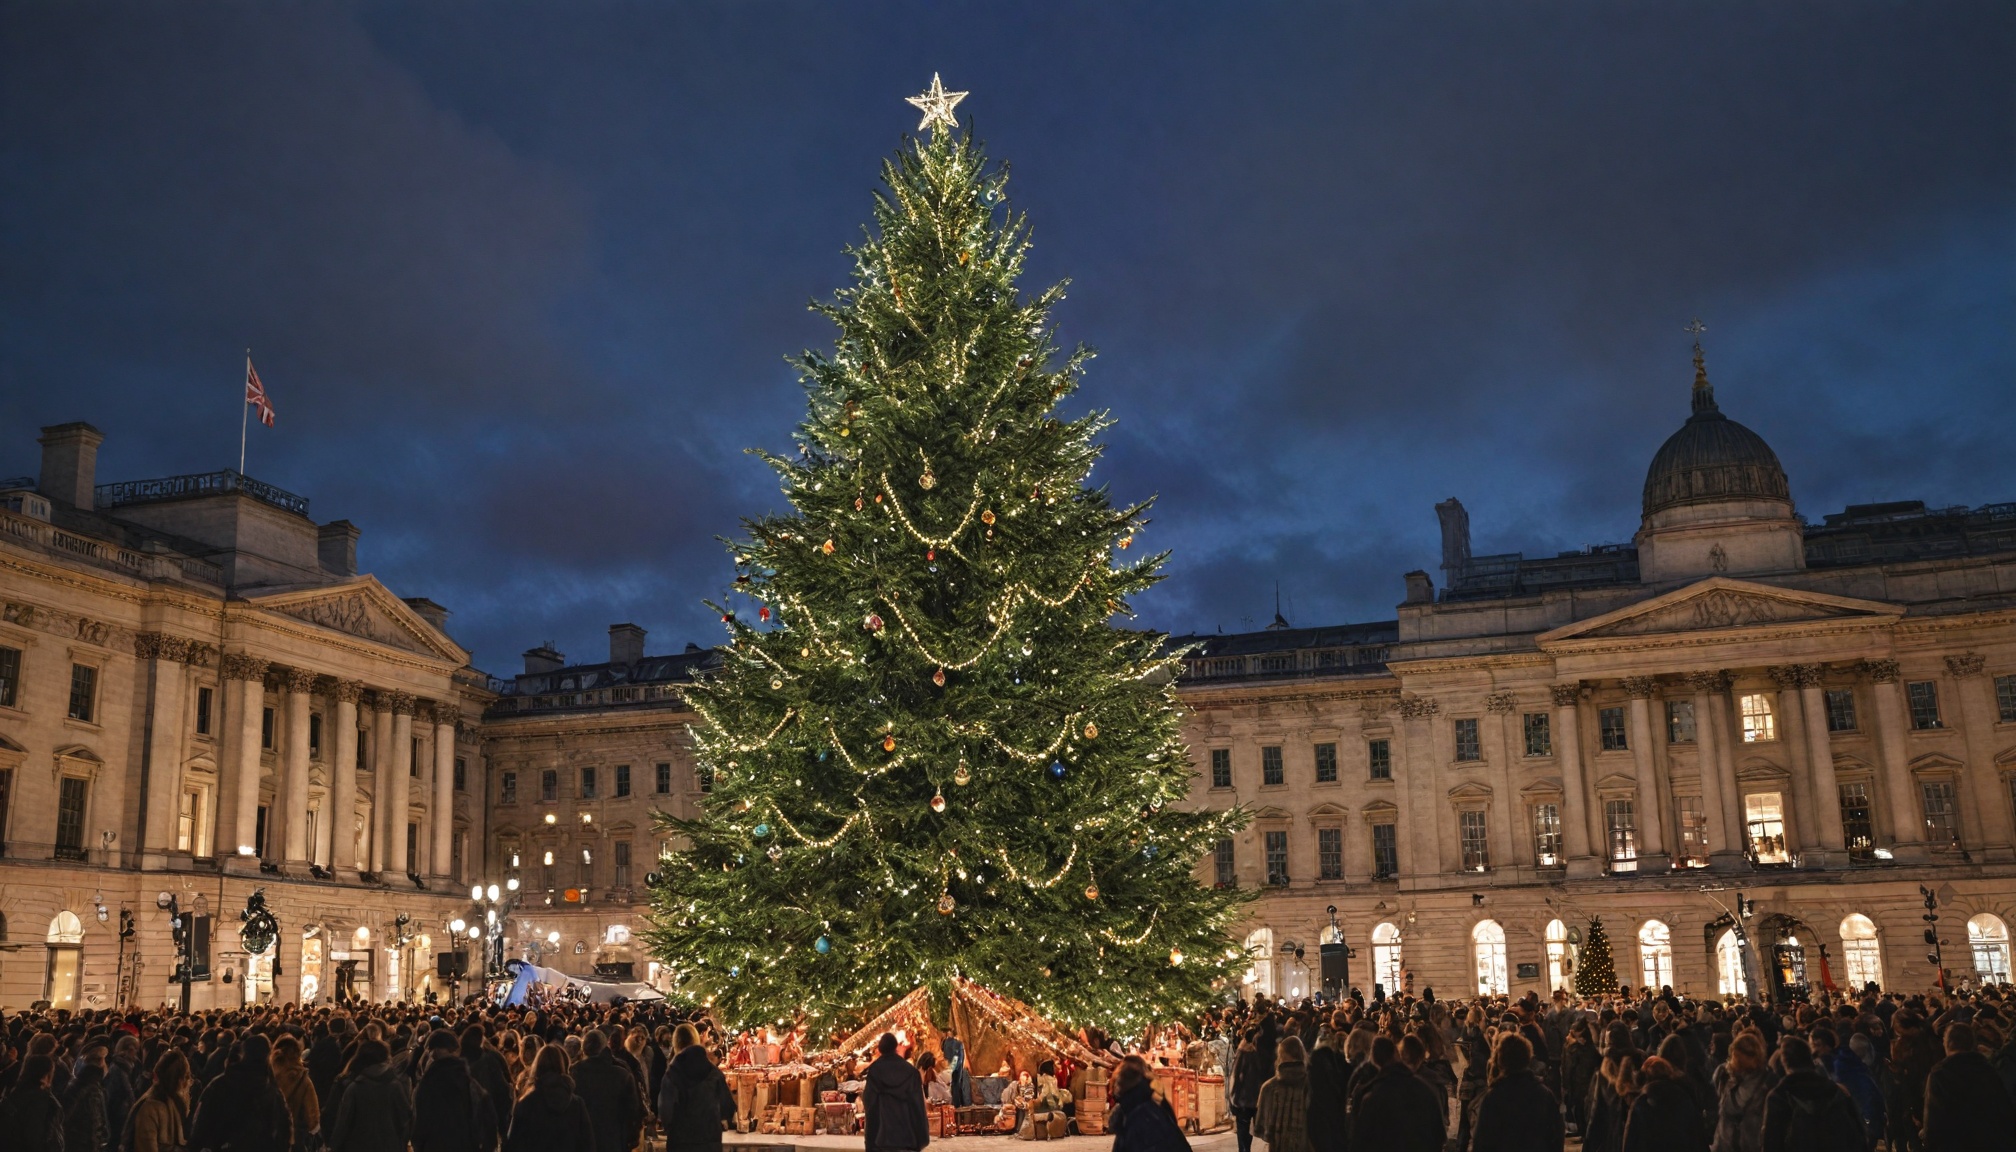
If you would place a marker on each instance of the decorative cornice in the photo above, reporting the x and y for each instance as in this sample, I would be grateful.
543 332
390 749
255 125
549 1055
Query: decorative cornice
68 625
1503 703
348 691
298 679
1881 671
239 666
1640 687
1966 664
1566 695
1419 707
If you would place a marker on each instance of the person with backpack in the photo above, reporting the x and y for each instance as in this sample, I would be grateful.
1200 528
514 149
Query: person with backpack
242 1110
375 1109
1807 1112
694 1100
451 1112
615 1103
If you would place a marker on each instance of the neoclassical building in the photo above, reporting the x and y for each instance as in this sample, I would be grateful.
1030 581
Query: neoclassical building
1818 717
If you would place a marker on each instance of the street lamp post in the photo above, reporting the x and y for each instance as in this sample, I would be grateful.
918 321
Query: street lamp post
496 902
179 930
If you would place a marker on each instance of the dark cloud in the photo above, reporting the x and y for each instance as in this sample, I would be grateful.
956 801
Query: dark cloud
522 278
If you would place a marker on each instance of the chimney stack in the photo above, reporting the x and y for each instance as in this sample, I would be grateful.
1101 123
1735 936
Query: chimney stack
1455 536
70 463
626 643
336 545
429 611
544 658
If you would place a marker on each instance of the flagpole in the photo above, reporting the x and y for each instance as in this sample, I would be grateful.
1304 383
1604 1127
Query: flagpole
244 413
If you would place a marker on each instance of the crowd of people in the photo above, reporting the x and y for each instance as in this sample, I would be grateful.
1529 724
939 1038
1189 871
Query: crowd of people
1644 1072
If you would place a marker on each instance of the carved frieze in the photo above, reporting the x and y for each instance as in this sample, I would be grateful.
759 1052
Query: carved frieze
1721 608
200 655
69 626
355 614
1503 703
1881 671
1966 664
1419 707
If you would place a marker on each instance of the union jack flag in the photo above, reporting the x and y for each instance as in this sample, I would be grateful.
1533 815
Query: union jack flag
255 394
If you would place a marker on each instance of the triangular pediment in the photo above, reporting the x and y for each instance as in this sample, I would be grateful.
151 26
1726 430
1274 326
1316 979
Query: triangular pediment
1720 604
366 609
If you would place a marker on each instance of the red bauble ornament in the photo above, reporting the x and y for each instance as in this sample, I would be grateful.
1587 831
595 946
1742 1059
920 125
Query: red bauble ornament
763 613
872 622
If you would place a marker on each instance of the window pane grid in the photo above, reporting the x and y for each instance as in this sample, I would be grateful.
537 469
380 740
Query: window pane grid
1620 818
1221 767
1680 722
1277 858
2005 695
1330 853
1840 710
1539 731
1385 852
1547 835
1759 722
1476 842
1468 747
1858 831
1923 696
1379 753
1224 865
83 690
1942 812
1610 725
1326 763
1692 821
1764 820
1270 765
10 675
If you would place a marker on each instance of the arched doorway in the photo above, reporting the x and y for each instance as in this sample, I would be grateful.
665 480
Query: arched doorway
1655 955
1487 941
1259 978
1989 938
1861 952
1387 972
1558 964
1729 978
1781 943
66 961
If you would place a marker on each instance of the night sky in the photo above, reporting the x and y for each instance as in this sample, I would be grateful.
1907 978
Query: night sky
521 279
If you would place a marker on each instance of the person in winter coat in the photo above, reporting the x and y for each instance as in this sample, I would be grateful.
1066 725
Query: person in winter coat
615 1103
1281 1115
1741 1084
32 1116
1579 1061
375 1109
159 1121
1139 1121
1846 1069
84 1125
122 1084
325 1059
1516 1113
241 1110
1913 1052
1807 1112
694 1100
1328 1122
1250 1069
1397 1110
1665 1117
893 1098
488 1069
451 1111
297 1088
1966 1104
551 1118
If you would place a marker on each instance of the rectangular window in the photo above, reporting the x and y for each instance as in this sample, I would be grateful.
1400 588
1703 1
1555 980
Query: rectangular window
1326 763
507 787
461 774
1759 722
266 729
586 878
413 848
1476 842
413 760
1330 853
1539 730
315 735
185 822
1379 753
1924 698
1840 710
1680 722
1764 824
1270 765
10 676
1221 767
203 698
588 783
1610 725
1858 828
1620 818
1385 852
703 778
1547 835
621 855
1277 858
549 785
1468 747
1224 865
622 780
2005 694
1942 812
662 778
83 692
199 946
1692 820
259 831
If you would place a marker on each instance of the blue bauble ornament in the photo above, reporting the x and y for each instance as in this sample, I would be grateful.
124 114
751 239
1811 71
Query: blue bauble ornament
762 830
822 755
1056 770
1149 850
822 946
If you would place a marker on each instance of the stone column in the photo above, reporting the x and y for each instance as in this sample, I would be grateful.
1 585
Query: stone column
1893 721
1710 753
298 684
336 840
1575 835
1987 794
442 812
162 656
1419 828
395 788
245 678
1651 807
1501 750
1826 843
381 780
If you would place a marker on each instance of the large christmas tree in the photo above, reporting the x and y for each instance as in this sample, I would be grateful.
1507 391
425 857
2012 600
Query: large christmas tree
1598 975
933 751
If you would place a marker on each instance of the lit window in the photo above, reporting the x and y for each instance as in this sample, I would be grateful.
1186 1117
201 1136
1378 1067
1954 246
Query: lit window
1610 724
1655 954
1270 765
1221 767
1729 979
1386 970
1923 696
1467 745
1989 938
1764 820
1539 730
1759 723
1693 823
1487 942
1680 722
1860 952
1330 853
1942 812
1476 842
1557 955
1547 835
1620 817
1858 828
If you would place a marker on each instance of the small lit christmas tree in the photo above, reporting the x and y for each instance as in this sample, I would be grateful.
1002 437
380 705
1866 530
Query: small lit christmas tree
1597 975
935 751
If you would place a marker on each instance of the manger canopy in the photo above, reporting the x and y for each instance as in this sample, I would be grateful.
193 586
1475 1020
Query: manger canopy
992 1027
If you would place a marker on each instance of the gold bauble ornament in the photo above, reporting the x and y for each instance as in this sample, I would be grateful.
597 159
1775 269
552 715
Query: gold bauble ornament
1092 890
827 547
1176 956
987 517
1126 542
889 742
1091 730
946 904
927 481
776 685
843 431
962 774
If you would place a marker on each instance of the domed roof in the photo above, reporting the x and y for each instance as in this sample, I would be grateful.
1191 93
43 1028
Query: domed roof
1712 459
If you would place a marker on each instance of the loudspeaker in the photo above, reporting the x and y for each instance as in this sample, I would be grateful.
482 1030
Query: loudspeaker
1336 970
449 965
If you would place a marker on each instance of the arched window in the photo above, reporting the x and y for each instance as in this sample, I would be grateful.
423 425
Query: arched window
1860 952
1487 941
66 928
60 980
1655 955
1386 968
1729 978
1990 938
1260 976
1557 955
